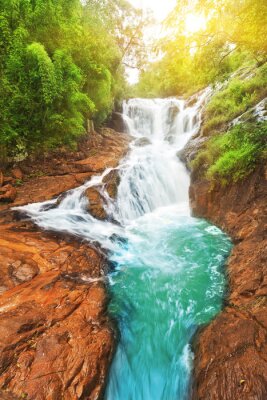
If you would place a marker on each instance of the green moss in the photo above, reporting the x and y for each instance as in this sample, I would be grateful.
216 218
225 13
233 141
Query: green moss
233 155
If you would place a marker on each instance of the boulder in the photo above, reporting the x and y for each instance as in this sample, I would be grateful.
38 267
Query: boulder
96 199
95 203
112 181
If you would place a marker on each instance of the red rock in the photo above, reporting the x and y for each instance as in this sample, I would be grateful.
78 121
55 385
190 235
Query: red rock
112 181
4 395
1 178
56 175
17 173
230 353
56 341
55 338
8 193
95 203
7 179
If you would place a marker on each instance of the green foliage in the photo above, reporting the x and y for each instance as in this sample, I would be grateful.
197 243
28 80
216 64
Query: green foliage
235 154
234 35
238 96
59 65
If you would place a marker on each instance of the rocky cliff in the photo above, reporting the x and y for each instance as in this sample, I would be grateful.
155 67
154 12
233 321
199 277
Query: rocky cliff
231 352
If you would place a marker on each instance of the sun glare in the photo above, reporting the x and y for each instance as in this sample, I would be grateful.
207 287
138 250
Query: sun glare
194 23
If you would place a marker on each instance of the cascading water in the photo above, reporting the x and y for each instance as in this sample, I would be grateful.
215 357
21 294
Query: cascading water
168 277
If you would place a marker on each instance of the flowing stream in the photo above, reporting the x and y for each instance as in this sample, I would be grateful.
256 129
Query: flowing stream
168 277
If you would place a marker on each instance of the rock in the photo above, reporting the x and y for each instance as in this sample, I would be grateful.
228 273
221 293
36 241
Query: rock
55 340
117 122
17 173
191 101
8 193
172 114
1 178
97 202
142 142
4 395
7 179
2 290
191 149
23 272
95 206
58 174
112 181
233 347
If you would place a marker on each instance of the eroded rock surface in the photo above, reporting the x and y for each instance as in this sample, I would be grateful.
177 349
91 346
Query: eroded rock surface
56 341
96 201
231 353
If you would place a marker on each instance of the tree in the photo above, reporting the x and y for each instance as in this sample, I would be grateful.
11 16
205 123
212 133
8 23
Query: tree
59 66
235 32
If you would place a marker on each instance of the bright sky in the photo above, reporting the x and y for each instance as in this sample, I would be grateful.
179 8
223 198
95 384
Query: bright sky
161 8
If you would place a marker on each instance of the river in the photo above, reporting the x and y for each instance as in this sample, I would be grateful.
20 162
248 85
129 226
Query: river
168 276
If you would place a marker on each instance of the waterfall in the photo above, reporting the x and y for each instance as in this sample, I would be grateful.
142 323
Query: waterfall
151 175
168 278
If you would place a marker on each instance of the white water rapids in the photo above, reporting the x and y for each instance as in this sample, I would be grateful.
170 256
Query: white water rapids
168 278
151 175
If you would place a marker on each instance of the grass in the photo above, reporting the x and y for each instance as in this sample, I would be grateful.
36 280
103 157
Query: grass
237 97
231 156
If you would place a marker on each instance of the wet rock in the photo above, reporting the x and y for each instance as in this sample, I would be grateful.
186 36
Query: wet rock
8 193
191 149
95 203
191 101
230 353
117 122
172 114
57 174
142 142
112 181
2 290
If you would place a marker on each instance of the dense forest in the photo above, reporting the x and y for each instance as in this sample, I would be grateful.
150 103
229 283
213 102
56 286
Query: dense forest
61 64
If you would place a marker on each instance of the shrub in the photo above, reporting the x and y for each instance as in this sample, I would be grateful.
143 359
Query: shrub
235 154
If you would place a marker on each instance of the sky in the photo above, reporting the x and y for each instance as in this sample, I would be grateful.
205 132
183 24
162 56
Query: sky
160 9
